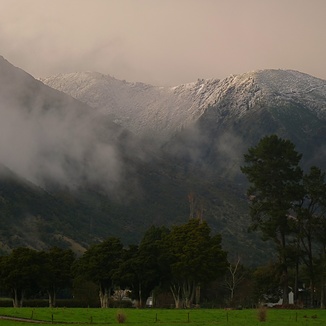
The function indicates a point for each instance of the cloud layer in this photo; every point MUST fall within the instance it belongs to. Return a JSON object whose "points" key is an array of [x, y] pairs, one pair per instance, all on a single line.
{"points": [[163, 42], [46, 135]]}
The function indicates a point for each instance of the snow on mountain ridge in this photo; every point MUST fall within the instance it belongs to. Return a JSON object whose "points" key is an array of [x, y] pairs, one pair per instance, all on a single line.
{"points": [[295, 86], [243, 92], [144, 108], [139, 107]]}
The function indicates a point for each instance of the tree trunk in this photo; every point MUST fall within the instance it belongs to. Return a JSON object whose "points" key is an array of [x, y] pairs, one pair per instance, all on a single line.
{"points": [[52, 298], [322, 281], [140, 296], [104, 297], [175, 290], [18, 298], [311, 270], [197, 295], [322, 293], [188, 293], [312, 295], [285, 275], [296, 279], [285, 282]]}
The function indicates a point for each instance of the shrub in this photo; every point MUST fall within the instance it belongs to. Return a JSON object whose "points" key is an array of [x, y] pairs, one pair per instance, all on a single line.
{"points": [[262, 314], [121, 317]]}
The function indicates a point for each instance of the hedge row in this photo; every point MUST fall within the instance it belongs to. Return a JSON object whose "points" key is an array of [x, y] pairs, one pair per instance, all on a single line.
{"points": [[68, 303]]}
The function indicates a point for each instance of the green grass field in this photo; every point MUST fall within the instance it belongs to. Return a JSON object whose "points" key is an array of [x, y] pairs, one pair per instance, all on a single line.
{"points": [[168, 317]]}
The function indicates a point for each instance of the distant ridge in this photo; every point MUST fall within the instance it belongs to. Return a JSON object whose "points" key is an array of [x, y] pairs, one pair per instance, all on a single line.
{"points": [[163, 111]]}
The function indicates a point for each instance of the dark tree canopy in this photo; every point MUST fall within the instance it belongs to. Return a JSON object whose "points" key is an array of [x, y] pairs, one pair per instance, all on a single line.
{"points": [[274, 175], [22, 271], [58, 271], [141, 270], [194, 257], [99, 265], [272, 168]]}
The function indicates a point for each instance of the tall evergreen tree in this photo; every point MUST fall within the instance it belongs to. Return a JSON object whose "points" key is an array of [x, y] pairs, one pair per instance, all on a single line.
{"points": [[272, 168], [311, 223]]}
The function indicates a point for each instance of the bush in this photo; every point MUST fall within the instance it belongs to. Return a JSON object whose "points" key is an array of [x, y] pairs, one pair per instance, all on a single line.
{"points": [[262, 314], [121, 317]]}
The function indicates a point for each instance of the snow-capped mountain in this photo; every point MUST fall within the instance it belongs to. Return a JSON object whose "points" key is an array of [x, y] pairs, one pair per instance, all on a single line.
{"points": [[144, 108], [247, 91], [139, 107]]}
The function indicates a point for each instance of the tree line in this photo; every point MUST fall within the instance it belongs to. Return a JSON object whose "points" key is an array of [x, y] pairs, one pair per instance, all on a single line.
{"points": [[180, 259], [287, 206]]}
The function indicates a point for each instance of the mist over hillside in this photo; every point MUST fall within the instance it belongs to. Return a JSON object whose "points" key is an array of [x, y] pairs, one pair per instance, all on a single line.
{"points": [[120, 157], [49, 136], [212, 120]]}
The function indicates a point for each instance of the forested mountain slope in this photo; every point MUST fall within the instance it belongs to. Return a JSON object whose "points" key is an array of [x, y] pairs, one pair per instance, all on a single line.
{"points": [[76, 173]]}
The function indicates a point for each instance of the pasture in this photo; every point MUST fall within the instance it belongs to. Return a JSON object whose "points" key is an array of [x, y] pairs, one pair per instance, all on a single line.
{"points": [[164, 317]]}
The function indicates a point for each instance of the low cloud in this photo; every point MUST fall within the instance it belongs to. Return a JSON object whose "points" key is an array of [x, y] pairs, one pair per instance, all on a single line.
{"points": [[47, 136]]}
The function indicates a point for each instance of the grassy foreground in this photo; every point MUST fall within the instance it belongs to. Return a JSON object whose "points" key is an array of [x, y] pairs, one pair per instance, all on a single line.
{"points": [[169, 317]]}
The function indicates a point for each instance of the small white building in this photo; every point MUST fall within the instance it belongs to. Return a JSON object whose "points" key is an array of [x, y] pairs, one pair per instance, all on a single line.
{"points": [[280, 302]]}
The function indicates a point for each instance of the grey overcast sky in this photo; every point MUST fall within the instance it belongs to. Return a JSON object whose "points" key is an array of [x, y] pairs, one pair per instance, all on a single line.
{"points": [[164, 42]]}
